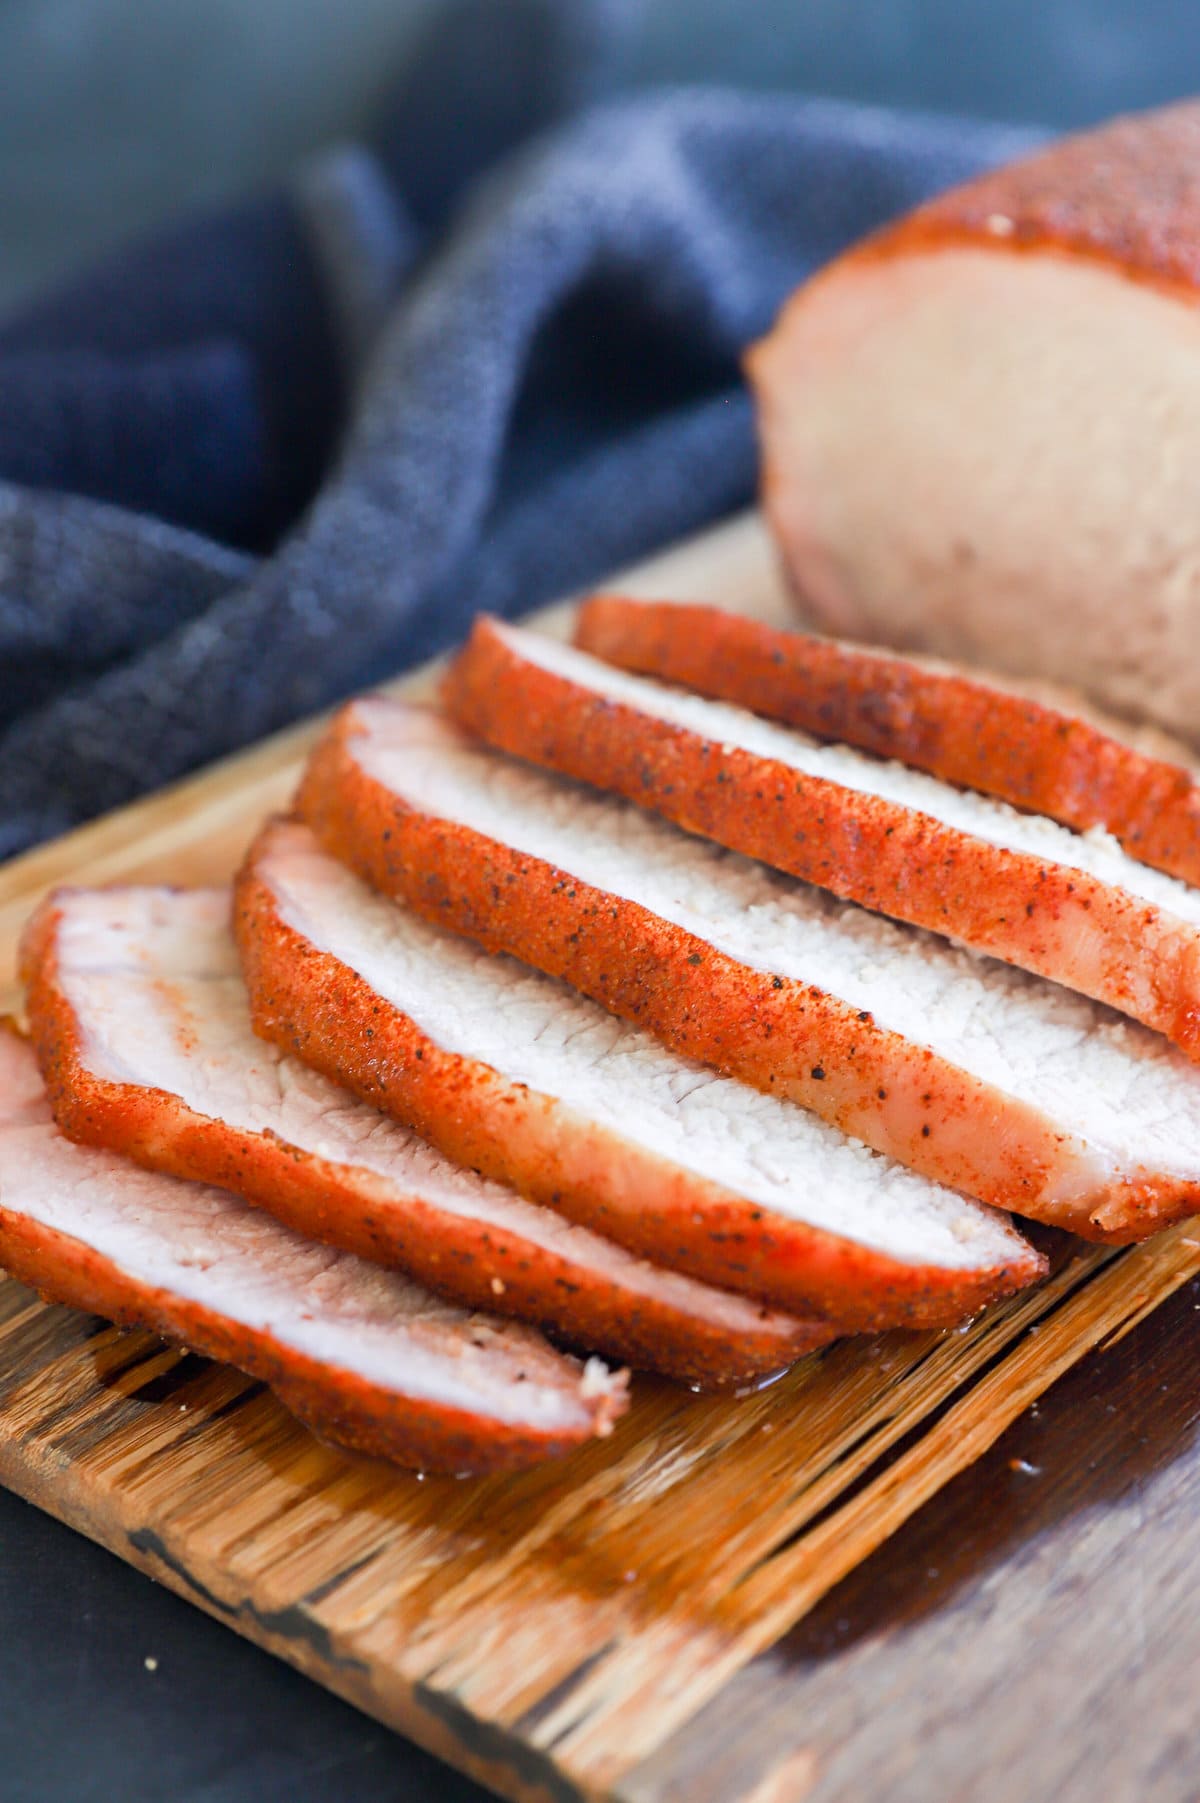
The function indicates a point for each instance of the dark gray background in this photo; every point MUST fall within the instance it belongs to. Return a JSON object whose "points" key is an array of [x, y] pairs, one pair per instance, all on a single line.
{"points": [[112, 113], [115, 112]]}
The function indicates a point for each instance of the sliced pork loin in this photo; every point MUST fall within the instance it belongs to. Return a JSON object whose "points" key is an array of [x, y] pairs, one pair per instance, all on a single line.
{"points": [[974, 1073], [516, 1075], [1068, 906], [981, 427], [366, 1357], [141, 1023], [1043, 756]]}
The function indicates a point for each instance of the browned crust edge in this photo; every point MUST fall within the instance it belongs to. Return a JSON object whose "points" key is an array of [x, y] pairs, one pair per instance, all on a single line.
{"points": [[956, 726], [780, 1035], [306, 1000], [339, 1405], [457, 1257], [1059, 923], [1124, 197], [1126, 194]]}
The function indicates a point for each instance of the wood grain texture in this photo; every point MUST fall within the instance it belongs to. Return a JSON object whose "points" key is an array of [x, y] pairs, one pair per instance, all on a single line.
{"points": [[623, 1624], [1025, 1635]]}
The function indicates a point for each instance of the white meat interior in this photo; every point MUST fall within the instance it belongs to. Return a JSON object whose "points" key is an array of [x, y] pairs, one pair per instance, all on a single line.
{"points": [[992, 455], [153, 979], [1096, 1075], [538, 1032], [1097, 853], [215, 1250]]}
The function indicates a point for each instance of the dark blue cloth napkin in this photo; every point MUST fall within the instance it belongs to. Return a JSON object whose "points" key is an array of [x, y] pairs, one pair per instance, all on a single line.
{"points": [[265, 457]]}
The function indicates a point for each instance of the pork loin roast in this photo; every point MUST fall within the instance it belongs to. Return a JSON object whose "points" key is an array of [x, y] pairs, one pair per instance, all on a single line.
{"points": [[972, 1072], [1045, 752], [1066, 905], [141, 1023], [981, 427], [363, 1355], [514, 1074]]}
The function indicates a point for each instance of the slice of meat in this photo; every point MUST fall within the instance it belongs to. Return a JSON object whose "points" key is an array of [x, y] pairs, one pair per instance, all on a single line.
{"points": [[980, 428], [140, 1019], [959, 725], [516, 1075], [1068, 906], [967, 1070], [362, 1355]]}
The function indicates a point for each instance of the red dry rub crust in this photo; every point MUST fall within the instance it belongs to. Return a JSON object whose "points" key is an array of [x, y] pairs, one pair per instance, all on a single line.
{"points": [[1059, 923], [455, 1256], [340, 1405], [1126, 194], [957, 727], [783, 1036], [306, 1000]]}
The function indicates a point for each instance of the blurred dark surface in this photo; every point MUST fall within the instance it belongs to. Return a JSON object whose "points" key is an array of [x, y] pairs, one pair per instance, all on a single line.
{"points": [[114, 113], [1054, 62], [83, 1720], [111, 114]]}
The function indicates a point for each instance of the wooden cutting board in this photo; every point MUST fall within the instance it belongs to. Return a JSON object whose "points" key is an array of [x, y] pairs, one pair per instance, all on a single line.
{"points": [[614, 1625]]}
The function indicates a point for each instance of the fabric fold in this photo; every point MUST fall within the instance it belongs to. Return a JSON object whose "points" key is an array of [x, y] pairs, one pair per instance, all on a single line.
{"points": [[483, 387]]}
